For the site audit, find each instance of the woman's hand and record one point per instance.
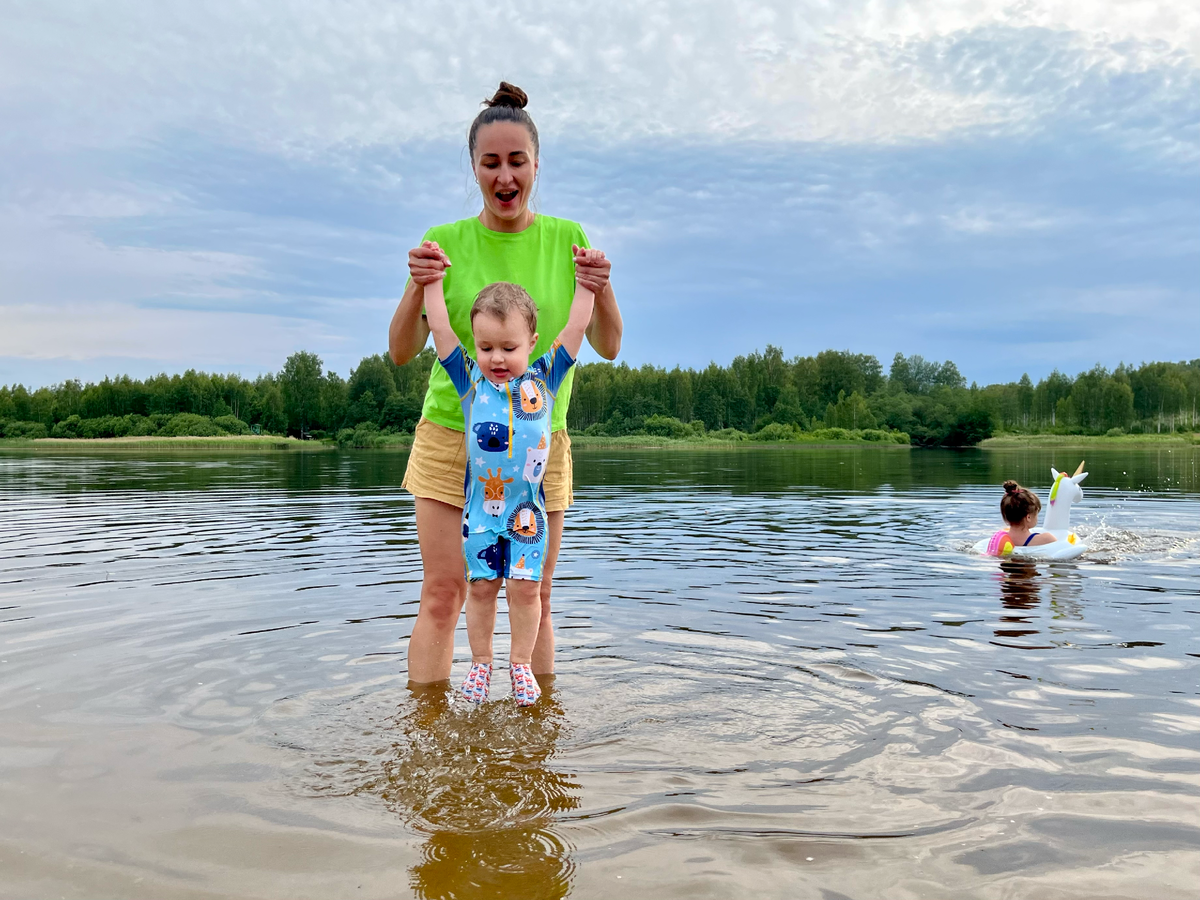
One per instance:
(427, 263)
(591, 269)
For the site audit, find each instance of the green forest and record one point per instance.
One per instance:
(762, 396)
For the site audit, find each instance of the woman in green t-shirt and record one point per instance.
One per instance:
(507, 241)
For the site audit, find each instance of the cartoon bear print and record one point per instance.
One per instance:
(535, 461)
(493, 557)
(491, 436)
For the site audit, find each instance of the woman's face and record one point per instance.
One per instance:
(505, 166)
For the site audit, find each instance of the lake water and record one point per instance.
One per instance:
(780, 675)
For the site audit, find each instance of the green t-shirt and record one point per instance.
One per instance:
(538, 259)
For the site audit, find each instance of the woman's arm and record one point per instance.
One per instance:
(409, 330)
(605, 329)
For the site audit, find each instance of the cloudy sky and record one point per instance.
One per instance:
(1011, 185)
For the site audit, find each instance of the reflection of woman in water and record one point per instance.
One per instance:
(477, 783)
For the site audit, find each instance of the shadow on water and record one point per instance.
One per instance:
(476, 784)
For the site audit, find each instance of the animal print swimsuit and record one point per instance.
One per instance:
(508, 443)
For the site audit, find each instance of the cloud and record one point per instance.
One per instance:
(46, 254)
(325, 76)
(82, 331)
(223, 184)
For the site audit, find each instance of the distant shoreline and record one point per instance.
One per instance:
(593, 442)
(221, 442)
(653, 442)
(404, 442)
(1179, 438)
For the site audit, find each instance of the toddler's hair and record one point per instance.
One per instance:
(1018, 502)
(502, 298)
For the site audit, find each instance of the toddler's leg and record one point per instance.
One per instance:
(524, 616)
(481, 618)
(481, 624)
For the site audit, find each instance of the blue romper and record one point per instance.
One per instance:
(508, 443)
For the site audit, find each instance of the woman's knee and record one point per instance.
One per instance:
(442, 599)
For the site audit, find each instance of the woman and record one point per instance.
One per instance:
(507, 241)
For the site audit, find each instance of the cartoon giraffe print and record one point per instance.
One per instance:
(493, 492)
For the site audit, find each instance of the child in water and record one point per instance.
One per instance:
(1020, 508)
(507, 402)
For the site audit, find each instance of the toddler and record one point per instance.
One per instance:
(507, 402)
(1020, 508)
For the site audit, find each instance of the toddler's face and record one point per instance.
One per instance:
(502, 346)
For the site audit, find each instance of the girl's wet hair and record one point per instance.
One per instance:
(503, 298)
(1018, 502)
(506, 105)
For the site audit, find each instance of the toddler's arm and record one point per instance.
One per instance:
(571, 337)
(444, 338)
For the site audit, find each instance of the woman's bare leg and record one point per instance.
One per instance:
(443, 590)
(543, 651)
(481, 618)
(524, 614)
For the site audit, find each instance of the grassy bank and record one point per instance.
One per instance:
(588, 442)
(1084, 440)
(650, 442)
(226, 442)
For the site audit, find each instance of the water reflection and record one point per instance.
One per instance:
(781, 668)
(477, 784)
(1023, 586)
(1020, 585)
(1020, 594)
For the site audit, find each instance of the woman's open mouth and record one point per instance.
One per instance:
(506, 196)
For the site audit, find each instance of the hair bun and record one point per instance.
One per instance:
(508, 95)
(1011, 487)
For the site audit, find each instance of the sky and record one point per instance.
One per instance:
(1011, 185)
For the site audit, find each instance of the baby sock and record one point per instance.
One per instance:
(475, 685)
(524, 686)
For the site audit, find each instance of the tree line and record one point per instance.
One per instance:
(762, 395)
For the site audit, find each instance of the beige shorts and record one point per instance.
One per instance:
(437, 467)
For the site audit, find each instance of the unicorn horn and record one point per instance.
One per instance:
(1080, 469)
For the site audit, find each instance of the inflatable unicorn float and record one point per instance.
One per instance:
(1065, 493)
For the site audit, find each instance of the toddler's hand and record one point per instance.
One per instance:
(427, 263)
(591, 268)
